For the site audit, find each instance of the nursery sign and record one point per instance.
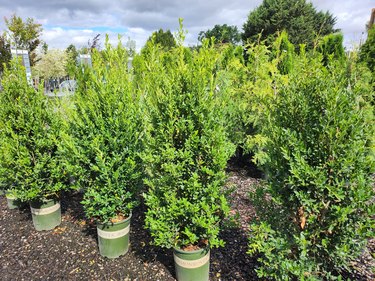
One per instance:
(24, 55)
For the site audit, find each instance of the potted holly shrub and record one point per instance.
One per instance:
(186, 155)
(105, 133)
(30, 162)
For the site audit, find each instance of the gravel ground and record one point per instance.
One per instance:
(69, 252)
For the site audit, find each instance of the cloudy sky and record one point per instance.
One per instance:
(76, 21)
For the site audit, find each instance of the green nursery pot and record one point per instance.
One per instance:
(192, 265)
(113, 239)
(12, 202)
(46, 214)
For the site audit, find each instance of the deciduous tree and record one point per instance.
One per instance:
(52, 65)
(24, 35)
(222, 34)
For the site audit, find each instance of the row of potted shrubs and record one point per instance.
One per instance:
(164, 131)
(159, 133)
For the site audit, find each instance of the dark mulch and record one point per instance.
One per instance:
(69, 252)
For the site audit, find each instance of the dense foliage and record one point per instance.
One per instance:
(314, 213)
(367, 51)
(5, 54)
(187, 146)
(106, 136)
(30, 132)
(222, 33)
(172, 121)
(298, 17)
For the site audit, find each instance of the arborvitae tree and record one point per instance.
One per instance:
(283, 51)
(71, 63)
(299, 18)
(331, 47)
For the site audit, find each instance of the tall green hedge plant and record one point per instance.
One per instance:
(106, 133)
(30, 161)
(315, 212)
(187, 146)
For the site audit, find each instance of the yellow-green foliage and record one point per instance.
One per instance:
(314, 145)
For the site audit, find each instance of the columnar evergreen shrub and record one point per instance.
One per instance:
(234, 74)
(106, 132)
(262, 73)
(30, 162)
(283, 51)
(367, 50)
(332, 48)
(314, 213)
(187, 146)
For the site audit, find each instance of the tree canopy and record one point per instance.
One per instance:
(222, 34)
(299, 18)
(52, 64)
(164, 38)
(24, 34)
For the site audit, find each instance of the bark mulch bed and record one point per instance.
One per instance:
(69, 252)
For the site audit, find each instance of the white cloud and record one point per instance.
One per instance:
(79, 20)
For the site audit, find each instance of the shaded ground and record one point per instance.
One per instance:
(69, 252)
